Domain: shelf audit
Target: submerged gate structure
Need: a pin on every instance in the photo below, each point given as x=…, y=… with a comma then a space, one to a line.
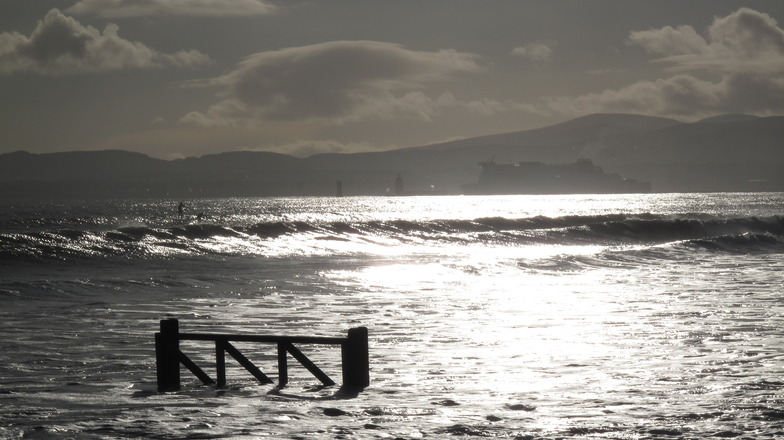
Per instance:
x=355, y=357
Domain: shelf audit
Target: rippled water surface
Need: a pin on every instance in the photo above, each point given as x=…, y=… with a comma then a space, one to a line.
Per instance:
x=617, y=317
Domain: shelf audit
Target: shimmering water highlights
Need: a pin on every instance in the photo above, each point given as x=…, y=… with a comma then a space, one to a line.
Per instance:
x=653, y=316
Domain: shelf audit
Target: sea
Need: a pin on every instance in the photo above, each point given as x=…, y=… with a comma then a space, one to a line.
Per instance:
x=635, y=316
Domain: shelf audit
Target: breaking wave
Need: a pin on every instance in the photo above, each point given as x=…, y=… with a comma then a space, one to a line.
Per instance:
x=65, y=240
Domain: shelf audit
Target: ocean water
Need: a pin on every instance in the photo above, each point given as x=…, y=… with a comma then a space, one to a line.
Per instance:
x=524, y=317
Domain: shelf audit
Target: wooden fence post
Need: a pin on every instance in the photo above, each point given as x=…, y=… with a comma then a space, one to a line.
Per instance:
x=283, y=368
x=167, y=355
x=356, y=359
x=220, y=362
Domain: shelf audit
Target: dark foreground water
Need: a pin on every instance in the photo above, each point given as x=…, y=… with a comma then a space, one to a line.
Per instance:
x=542, y=317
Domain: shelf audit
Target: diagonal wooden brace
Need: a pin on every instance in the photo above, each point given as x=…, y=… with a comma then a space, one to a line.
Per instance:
x=198, y=372
x=239, y=357
x=307, y=363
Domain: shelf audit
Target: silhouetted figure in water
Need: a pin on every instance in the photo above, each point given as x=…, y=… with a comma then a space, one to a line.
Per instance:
x=180, y=208
x=199, y=216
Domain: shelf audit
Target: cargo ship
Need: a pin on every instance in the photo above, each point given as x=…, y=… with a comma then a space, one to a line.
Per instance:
x=581, y=177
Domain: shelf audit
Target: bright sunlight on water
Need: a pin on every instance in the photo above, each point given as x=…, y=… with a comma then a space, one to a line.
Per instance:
x=633, y=316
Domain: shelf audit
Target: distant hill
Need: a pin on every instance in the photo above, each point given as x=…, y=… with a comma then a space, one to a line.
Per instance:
x=125, y=174
x=743, y=154
x=750, y=140
x=734, y=117
x=110, y=164
x=721, y=153
x=565, y=142
x=572, y=135
x=446, y=166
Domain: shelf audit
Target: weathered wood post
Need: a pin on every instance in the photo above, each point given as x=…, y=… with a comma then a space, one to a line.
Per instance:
x=167, y=355
x=283, y=367
x=356, y=358
x=220, y=362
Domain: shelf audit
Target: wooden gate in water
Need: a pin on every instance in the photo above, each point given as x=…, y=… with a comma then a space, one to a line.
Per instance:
x=355, y=358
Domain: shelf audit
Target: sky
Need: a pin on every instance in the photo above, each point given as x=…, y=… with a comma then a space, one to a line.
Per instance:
x=183, y=78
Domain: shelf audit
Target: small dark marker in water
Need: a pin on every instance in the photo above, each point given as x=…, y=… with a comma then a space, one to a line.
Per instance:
x=334, y=412
x=446, y=402
x=521, y=407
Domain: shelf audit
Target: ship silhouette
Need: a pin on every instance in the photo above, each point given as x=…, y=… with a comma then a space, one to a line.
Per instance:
x=581, y=177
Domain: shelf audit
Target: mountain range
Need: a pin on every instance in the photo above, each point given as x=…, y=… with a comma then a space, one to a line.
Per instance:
x=723, y=153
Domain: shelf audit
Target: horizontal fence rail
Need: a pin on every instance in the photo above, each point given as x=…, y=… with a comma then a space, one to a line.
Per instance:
x=355, y=359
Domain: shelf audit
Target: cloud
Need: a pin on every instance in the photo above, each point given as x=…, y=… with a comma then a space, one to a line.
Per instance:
x=744, y=40
x=60, y=45
x=539, y=53
x=156, y=8
x=669, y=40
x=737, y=65
x=674, y=96
x=339, y=81
x=746, y=34
x=682, y=96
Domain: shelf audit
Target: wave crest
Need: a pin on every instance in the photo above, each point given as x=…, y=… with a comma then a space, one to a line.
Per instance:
x=747, y=234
